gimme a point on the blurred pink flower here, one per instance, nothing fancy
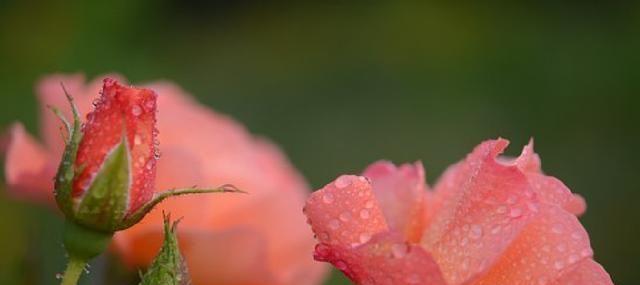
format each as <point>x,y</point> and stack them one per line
<point>258,238</point>
<point>490,220</point>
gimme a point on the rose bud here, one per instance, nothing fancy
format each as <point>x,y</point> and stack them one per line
<point>105,182</point>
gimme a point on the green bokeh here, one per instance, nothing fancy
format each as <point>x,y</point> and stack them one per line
<point>339,86</point>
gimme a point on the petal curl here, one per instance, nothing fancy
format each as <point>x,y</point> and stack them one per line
<point>476,199</point>
<point>400,191</point>
<point>548,188</point>
<point>552,243</point>
<point>28,168</point>
<point>385,260</point>
<point>345,212</point>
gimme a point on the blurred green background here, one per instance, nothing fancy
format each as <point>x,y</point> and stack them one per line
<point>339,85</point>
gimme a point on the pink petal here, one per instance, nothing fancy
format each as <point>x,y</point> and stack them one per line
<point>548,188</point>
<point>587,272</point>
<point>552,243</point>
<point>400,191</point>
<point>234,257</point>
<point>482,205</point>
<point>28,168</point>
<point>386,259</point>
<point>345,212</point>
<point>551,190</point>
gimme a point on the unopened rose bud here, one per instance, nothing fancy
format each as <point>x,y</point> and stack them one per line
<point>105,181</point>
<point>109,170</point>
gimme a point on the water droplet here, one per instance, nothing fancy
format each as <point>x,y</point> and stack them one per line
<point>561,247</point>
<point>364,237</point>
<point>557,228</point>
<point>136,110</point>
<point>341,265</point>
<point>369,204</point>
<point>137,139</point>
<point>345,216</point>
<point>58,276</point>
<point>515,212</point>
<point>150,164</point>
<point>327,198</point>
<point>512,200</point>
<point>149,104</point>
<point>364,214</point>
<point>399,250</point>
<point>323,237</point>
<point>501,209</point>
<point>334,224</point>
<point>495,230</point>
<point>343,181</point>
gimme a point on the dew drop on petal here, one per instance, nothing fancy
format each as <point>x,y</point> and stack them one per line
<point>364,237</point>
<point>327,198</point>
<point>136,110</point>
<point>399,250</point>
<point>343,181</point>
<point>364,214</point>
<point>345,216</point>
<point>515,212</point>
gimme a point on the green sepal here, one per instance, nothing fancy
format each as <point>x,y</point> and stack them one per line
<point>168,268</point>
<point>158,197</point>
<point>84,243</point>
<point>66,170</point>
<point>104,205</point>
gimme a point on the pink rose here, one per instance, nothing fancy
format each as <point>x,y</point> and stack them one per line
<point>489,220</point>
<point>258,238</point>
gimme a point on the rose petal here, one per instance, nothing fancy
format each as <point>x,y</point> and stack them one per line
<point>386,259</point>
<point>553,242</point>
<point>549,189</point>
<point>400,191</point>
<point>235,257</point>
<point>482,205</point>
<point>553,191</point>
<point>345,212</point>
<point>28,168</point>
<point>587,272</point>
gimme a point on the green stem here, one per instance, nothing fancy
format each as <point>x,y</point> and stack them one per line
<point>73,271</point>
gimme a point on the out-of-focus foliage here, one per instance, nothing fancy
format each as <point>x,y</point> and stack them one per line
<point>341,85</point>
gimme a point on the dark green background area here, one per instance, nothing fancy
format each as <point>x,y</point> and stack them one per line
<point>339,86</point>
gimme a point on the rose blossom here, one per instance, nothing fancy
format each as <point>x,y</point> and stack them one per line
<point>489,220</point>
<point>258,238</point>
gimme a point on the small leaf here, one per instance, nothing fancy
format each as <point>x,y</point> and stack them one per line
<point>168,268</point>
<point>66,170</point>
